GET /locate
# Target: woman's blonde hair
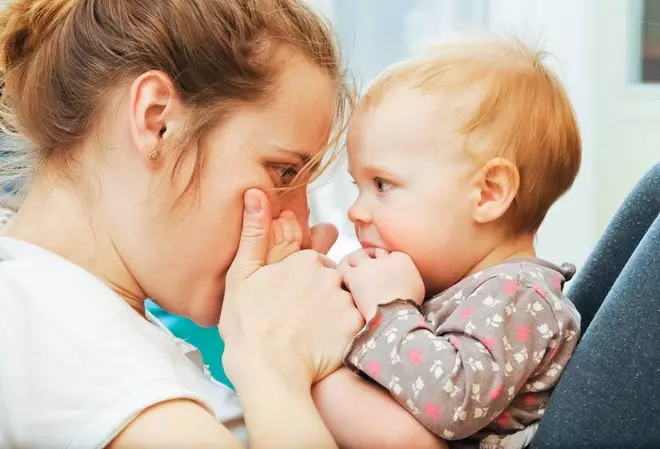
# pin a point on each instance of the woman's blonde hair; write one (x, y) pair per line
(61, 59)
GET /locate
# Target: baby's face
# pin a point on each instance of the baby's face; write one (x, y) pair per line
(415, 195)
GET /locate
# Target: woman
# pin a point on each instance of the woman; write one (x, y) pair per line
(157, 127)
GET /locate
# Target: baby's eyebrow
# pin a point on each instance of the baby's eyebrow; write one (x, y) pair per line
(378, 171)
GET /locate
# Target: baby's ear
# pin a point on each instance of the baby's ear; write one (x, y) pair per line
(496, 186)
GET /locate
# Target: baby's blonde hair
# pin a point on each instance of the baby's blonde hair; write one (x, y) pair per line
(524, 114)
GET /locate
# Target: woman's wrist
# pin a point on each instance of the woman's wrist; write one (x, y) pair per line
(275, 402)
(249, 368)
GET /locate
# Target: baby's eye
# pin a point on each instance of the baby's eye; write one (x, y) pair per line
(382, 186)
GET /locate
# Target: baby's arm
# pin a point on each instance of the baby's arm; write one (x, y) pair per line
(458, 377)
(362, 415)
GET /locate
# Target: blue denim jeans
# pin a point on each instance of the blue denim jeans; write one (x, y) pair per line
(609, 395)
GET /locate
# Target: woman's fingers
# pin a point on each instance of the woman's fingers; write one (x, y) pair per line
(296, 309)
(255, 237)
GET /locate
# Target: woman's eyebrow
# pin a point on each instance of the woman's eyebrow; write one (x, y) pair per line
(302, 160)
(301, 157)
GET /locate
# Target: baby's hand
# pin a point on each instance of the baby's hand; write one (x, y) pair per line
(286, 237)
(376, 276)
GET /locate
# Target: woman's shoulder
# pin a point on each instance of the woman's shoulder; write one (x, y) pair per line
(39, 287)
(78, 363)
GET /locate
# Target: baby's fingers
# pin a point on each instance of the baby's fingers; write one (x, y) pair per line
(286, 237)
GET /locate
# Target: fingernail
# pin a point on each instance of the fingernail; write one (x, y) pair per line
(252, 203)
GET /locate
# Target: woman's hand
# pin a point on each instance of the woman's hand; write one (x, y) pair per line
(375, 276)
(291, 318)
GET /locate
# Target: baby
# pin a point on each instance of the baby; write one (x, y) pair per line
(457, 156)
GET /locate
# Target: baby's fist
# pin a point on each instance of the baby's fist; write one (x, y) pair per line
(377, 277)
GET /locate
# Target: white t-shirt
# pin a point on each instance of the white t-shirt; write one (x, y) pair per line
(77, 363)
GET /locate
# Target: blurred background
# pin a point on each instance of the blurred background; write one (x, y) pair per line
(607, 52)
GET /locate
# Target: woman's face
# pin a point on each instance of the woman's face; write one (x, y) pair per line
(181, 256)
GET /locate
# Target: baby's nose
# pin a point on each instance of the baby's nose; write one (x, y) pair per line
(358, 213)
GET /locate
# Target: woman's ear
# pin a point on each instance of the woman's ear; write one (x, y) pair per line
(496, 186)
(155, 110)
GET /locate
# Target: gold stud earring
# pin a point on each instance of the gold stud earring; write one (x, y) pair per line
(155, 154)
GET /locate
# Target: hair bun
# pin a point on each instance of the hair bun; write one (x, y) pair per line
(25, 24)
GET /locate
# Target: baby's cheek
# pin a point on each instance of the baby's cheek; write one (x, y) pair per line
(394, 235)
(408, 238)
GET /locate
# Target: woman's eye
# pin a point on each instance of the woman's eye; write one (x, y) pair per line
(382, 186)
(286, 174)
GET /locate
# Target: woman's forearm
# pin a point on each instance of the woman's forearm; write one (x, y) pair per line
(281, 414)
